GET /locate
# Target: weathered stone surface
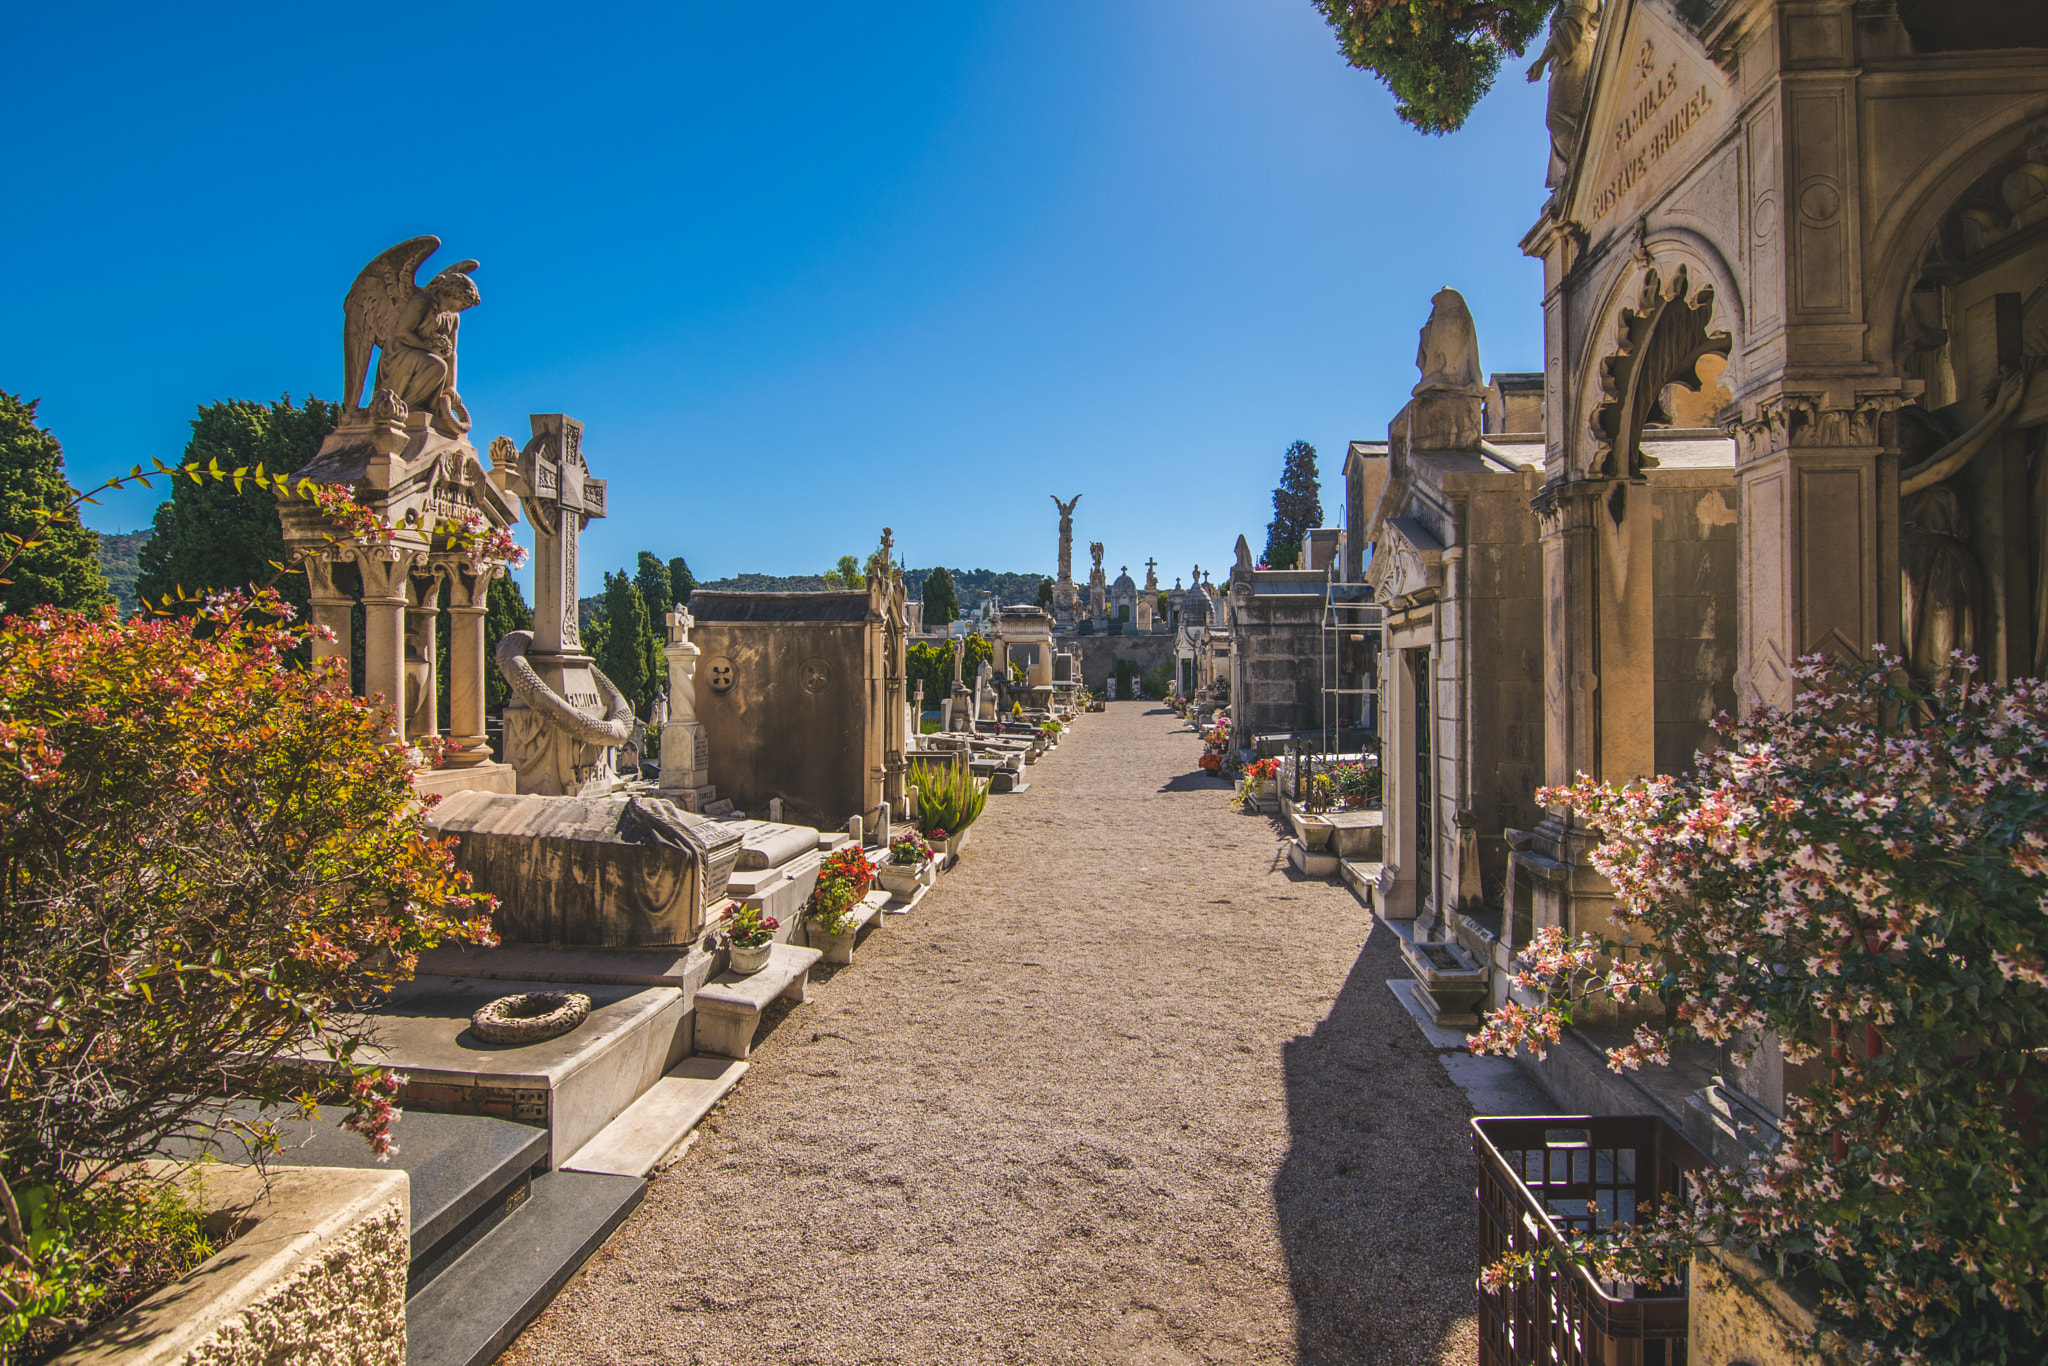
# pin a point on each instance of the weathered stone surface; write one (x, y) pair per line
(319, 1277)
(598, 872)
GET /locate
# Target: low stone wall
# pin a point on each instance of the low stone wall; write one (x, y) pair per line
(1097, 655)
(317, 1275)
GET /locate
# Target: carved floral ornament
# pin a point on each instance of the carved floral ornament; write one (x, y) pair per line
(1660, 336)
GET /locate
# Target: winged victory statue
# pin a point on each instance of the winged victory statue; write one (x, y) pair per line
(412, 326)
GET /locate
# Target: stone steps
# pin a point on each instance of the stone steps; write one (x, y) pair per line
(468, 1313)
(653, 1127)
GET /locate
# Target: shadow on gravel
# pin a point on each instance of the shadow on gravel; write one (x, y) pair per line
(1198, 781)
(1375, 1198)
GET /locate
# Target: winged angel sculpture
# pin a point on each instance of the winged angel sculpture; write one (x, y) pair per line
(413, 327)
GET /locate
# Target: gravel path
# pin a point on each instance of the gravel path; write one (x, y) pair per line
(1121, 1089)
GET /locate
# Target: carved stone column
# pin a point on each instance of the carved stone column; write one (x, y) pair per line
(332, 609)
(386, 569)
(422, 655)
(468, 594)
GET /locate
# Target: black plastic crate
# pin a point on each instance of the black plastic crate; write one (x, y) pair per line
(1542, 1175)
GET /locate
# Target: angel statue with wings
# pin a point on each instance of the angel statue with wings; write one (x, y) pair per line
(413, 328)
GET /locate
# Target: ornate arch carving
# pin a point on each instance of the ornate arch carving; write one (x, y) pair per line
(1658, 332)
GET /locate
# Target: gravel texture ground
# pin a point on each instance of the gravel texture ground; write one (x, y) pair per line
(1121, 1089)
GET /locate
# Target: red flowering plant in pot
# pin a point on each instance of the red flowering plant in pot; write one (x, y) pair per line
(843, 879)
(1861, 879)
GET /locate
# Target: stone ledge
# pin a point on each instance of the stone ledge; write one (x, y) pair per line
(318, 1274)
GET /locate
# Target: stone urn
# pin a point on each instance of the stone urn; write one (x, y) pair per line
(903, 880)
(750, 958)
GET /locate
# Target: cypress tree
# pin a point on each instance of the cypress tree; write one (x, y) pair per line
(657, 589)
(505, 611)
(681, 582)
(1297, 507)
(623, 653)
(941, 599)
(63, 568)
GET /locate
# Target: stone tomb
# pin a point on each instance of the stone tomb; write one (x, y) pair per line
(802, 697)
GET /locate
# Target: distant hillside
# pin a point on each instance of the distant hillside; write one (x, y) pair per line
(117, 561)
(1008, 588)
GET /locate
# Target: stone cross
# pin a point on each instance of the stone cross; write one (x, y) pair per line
(560, 498)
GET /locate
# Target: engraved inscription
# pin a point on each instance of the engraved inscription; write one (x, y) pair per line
(1652, 125)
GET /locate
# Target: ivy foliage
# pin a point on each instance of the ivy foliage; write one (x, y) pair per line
(1438, 57)
(58, 566)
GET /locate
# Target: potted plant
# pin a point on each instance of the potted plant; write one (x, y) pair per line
(912, 865)
(750, 936)
(949, 801)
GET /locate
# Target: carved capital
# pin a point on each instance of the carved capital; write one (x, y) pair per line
(1811, 421)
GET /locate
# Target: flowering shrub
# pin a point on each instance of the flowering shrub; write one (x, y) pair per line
(911, 849)
(1863, 878)
(207, 853)
(747, 927)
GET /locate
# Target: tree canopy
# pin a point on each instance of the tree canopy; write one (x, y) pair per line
(1437, 56)
(208, 535)
(1297, 507)
(681, 581)
(63, 568)
(941, 601)
(845, 574)
(505, 611)
(657, 589)
(622, 638)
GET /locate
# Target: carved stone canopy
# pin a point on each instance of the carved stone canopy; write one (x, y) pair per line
(1407, 567)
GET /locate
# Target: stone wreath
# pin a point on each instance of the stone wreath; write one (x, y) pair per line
(530, 1017)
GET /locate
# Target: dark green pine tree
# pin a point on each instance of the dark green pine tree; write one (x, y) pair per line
(941, 599)
(63, 568)
(1437, 56)
(623, 653)
(208, 536)
(1297, 507)
(1045, 592)
(681, 582)
(505, 611)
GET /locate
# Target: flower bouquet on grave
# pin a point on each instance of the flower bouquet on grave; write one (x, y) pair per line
(912, 864)
(749, 935)
(843, 879)
(1258, 782)
(1216, 745)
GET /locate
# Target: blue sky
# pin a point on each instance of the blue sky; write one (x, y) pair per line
(803, 271)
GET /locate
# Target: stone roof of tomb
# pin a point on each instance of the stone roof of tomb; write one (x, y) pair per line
(1680, 448)
(720, 606)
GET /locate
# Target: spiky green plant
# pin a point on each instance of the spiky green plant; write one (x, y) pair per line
(949, 799)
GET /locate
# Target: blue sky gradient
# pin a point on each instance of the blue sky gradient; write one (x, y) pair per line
(802, 271)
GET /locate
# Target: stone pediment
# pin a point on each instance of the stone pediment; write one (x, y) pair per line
(1658, 104)
(1407, 567)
